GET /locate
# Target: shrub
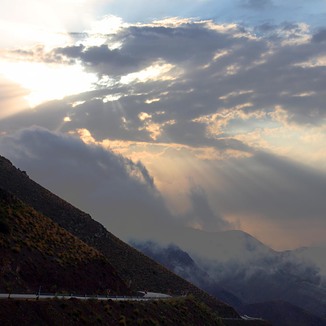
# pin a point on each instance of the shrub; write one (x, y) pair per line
(122, 321)
(4, 227)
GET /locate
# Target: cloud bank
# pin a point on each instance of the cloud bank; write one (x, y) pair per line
(116, 191)
(196, 83)
(238, 110)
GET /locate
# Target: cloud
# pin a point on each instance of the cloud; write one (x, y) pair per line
(200, 84)
(142, 45)
(101, 59)
(206, 62)
(256, 4)
(117, 192)
(205, 88)
(275, 187)
(11, 98)
(201, 215)
(320, 36)
(271, 197)
(47, 21)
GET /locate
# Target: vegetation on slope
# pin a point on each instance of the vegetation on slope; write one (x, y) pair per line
(282, 313)
(91, 312)
(35, 252)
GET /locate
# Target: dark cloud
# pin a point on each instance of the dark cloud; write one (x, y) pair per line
(320, 36)
(143, 45)
(277, 188)
(265, 28)
(107, 120)
(278, 69)
(256, 4)
(174, 45)
(117, 192)
(71, 51)
(195, 135)
(275, 81)
(201, 214)
(221, 71)
(101, 59)
(122, 194)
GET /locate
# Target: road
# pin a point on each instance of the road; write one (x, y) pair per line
(147, 297)
(42, 296)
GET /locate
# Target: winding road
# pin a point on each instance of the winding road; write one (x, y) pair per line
(147, 297)
(40, 296)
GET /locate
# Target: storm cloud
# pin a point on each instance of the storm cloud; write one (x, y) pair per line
(199, 69)
(116, 191)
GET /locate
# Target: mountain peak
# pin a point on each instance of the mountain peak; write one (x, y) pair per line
(222, 246)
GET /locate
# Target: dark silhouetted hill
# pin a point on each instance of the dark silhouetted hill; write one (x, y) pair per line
(91, 312)
(36, 252)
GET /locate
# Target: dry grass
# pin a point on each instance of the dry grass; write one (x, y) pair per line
(179, 312)
(33, 230)
(35, 251)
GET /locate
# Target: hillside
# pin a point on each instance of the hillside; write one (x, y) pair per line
(134, 267)
(181, 312)
(279, 313)
(282, 313)
(181, 263)
(243, 266)
(36, 252)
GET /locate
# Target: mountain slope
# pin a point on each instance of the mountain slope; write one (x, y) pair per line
(35, 251)
(185, 312)
(282, 313)
(281, 278)
(134, 267)
(244, 266)
(277, 312)
(173, 258)
(181, 263)
(221, 246)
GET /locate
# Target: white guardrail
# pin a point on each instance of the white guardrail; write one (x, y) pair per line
(146, 297)
(37, 296)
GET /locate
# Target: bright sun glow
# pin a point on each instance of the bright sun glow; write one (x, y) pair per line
(107, 25)
(29, 34)
(47, 82)
(158, 70)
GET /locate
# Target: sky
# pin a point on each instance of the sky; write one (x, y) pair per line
(154, 115)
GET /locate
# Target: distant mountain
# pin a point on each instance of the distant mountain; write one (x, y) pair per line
(180, 262)
(244, 266)
(173, 258)
(282, 313)
(135, 269)
(221, 246)
(234, 244)
(276, 276)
